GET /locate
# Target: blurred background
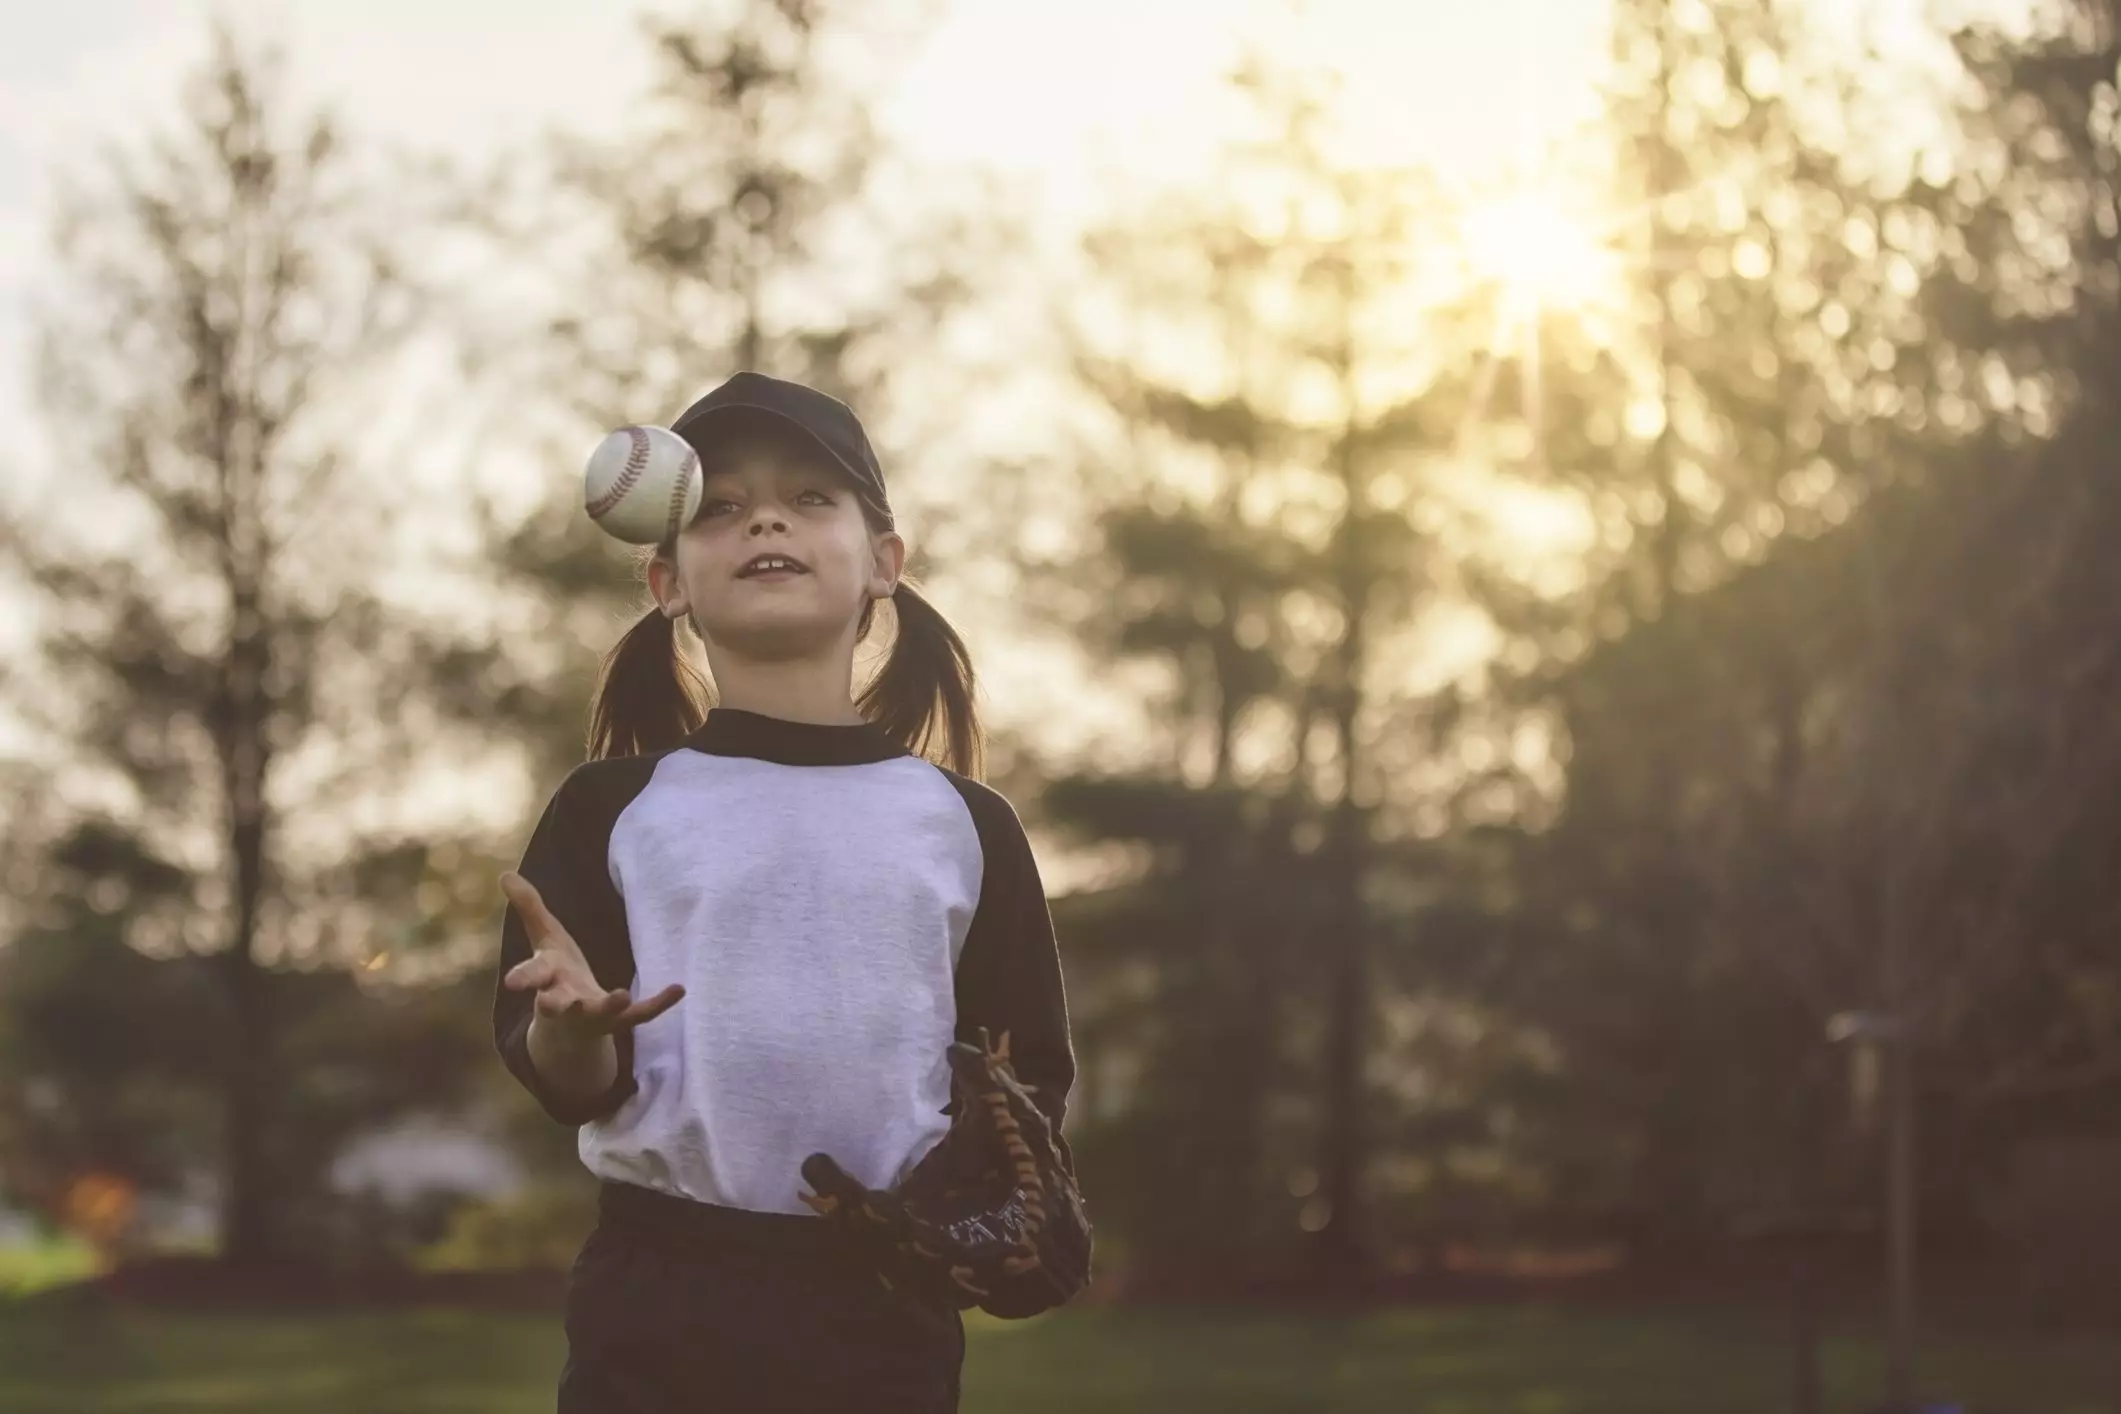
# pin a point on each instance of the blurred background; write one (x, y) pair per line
(1544, 575)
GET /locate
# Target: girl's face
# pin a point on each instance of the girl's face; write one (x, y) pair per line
(780, 561)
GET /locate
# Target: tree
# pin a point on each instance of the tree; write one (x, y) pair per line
(1847, 767)
(1257, 549)
(749, 218)
(219, 685)
(1767, 368)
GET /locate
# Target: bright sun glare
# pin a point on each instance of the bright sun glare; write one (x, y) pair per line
(1535, 253)
(1540, 254)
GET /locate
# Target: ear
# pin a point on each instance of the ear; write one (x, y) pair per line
(669, 592)
(889, 558)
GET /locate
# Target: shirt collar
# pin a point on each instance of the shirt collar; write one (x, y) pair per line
(729, 731)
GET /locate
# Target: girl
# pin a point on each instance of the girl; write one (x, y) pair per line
(744, 935)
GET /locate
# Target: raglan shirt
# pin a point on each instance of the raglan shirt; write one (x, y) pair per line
(837, 909)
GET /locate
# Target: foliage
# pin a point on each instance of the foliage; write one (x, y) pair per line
(218, 682)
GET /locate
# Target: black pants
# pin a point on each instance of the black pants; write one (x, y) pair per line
(678, 1307)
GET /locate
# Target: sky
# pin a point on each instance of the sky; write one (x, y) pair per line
(1048, 92)
(1057, 97)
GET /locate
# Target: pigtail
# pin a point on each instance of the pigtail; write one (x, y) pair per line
(649, 696)
(923, 696)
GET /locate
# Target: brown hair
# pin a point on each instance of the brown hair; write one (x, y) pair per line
(650, 696)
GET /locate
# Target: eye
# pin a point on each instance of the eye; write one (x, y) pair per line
(715, 506)
(813, 498)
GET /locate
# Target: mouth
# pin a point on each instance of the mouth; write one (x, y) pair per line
(772, 567)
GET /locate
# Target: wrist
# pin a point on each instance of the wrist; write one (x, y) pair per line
(572, 1058)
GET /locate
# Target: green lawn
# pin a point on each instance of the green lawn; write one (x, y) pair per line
(1119, 1361)
(24, 1269)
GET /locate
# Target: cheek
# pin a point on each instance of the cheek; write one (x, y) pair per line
(855, 557)
(844, 547)
(696, 567)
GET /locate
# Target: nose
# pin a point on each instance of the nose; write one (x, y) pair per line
(767, 518)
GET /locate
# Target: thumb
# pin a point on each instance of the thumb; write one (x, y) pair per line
(823, 1173)
(837, 1191)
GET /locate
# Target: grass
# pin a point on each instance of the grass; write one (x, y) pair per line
(31, 1268)
(89, 1360)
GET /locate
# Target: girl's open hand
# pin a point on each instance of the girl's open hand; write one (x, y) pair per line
(568, 994)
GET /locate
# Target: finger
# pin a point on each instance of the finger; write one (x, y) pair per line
(838, 1193)
(538, 920)
(653, 1007)
(537, 971)
(823, 1173)
(520, 891)
(989, 1076)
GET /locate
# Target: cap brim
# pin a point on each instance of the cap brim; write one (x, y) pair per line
(691, 428)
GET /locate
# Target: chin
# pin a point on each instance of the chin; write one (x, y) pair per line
(771, 635)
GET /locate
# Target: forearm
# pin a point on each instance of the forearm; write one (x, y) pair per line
(576, 1067)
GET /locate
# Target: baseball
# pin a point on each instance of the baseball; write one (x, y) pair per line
(642, 484)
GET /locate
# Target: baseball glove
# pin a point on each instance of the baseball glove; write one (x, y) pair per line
(990, 1217)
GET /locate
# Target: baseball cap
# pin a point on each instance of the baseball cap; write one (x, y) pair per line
(824, 419)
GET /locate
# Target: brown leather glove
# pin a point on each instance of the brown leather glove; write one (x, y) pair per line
(990, 1217)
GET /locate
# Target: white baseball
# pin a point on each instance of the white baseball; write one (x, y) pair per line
(642, 484)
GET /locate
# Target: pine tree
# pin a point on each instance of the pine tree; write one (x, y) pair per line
(219, 670)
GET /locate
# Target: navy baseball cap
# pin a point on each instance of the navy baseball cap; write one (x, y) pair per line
(824, 419)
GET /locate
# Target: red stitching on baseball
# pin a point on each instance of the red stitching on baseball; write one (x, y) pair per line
(636, 463)
(677, 494)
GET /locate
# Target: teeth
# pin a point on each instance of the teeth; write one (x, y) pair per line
(770, 562)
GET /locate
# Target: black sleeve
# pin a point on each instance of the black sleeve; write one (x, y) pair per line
(1009, 974)
(566, 861)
